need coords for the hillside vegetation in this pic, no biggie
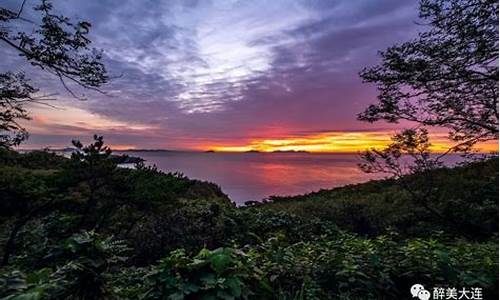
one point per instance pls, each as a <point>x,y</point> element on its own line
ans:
<point>465,199</point>
<point>81,228</point>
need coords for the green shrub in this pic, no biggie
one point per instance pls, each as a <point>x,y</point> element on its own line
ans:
<point>223,273</point>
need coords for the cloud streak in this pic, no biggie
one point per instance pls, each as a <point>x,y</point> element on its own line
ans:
<point>226,71</point>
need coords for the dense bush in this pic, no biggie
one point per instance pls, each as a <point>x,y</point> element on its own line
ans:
<point>385,267</point>
<point>77,268</point>
<point>223,273</point>
<point>82,228</point>
<point>347,267</point>
<point>466,199</point>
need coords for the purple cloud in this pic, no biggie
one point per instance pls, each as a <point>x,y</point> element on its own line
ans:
<point>197,71</point>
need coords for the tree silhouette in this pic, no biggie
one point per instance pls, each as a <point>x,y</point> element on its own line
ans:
<point>89,169</point>
<point>408,160</point>
<point>14,92</point>
<point>447,76</point>
<point>92,167</point>
<point>56,45</point>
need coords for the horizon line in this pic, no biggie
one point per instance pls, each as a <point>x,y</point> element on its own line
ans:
<point>208,151</point>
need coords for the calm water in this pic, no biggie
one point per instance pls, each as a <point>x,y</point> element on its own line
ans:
<point>255,176</point>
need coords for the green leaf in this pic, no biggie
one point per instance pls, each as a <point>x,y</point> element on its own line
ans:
<point>220,262</point>
<point>176,296</point>
<point>234,285</point>
<point>208,279</point>
<point>208,297</point>
<point>225,295</point>
<point>190,288</point>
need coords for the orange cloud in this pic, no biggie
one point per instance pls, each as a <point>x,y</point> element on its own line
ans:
<point>72,120</point>
<point>39,119</point>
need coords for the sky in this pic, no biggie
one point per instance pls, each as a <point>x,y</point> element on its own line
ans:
<point>225,75</point>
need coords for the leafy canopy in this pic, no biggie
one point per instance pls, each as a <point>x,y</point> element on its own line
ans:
<point>447,76</point>
<point>56,45</point>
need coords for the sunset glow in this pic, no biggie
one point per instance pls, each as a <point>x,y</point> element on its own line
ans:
<point>228,76</point>
<point>337,142</point>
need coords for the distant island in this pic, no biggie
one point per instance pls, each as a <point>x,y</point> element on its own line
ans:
<point>277,151</point>
<point>125,159</point>
<point>290,151</point>
<point>258,151</point>
<point>146,150</point>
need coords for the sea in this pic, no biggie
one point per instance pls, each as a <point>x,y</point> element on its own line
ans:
<point>256,176</point>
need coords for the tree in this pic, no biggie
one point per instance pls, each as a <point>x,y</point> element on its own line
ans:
<point>409,161</point>
<point>14,92</point>
<point>91,169</point>
<point>414,143</point>
<point>56,45</point>
<point>24,197</point>
<point>408,154</point>
<point>447,76</point>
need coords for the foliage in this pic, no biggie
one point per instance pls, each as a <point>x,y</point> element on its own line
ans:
<point>36,159</point>
<point>83,228</point>
<point>223,273</point>
<point>467,195</point>
<point>56,45</point>
<point>77,270</point>
<point>25,196</point>
<point>149,234</point>
<point>384,267</point>
<point>14,89</point>
<point>347,267</point>
<point>447,77</point>
<point>411,145</point>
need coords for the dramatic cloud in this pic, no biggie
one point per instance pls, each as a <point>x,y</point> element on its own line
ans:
<point>191,74</point>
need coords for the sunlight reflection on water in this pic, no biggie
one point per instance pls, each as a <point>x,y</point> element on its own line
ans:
<point>255,176</point>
